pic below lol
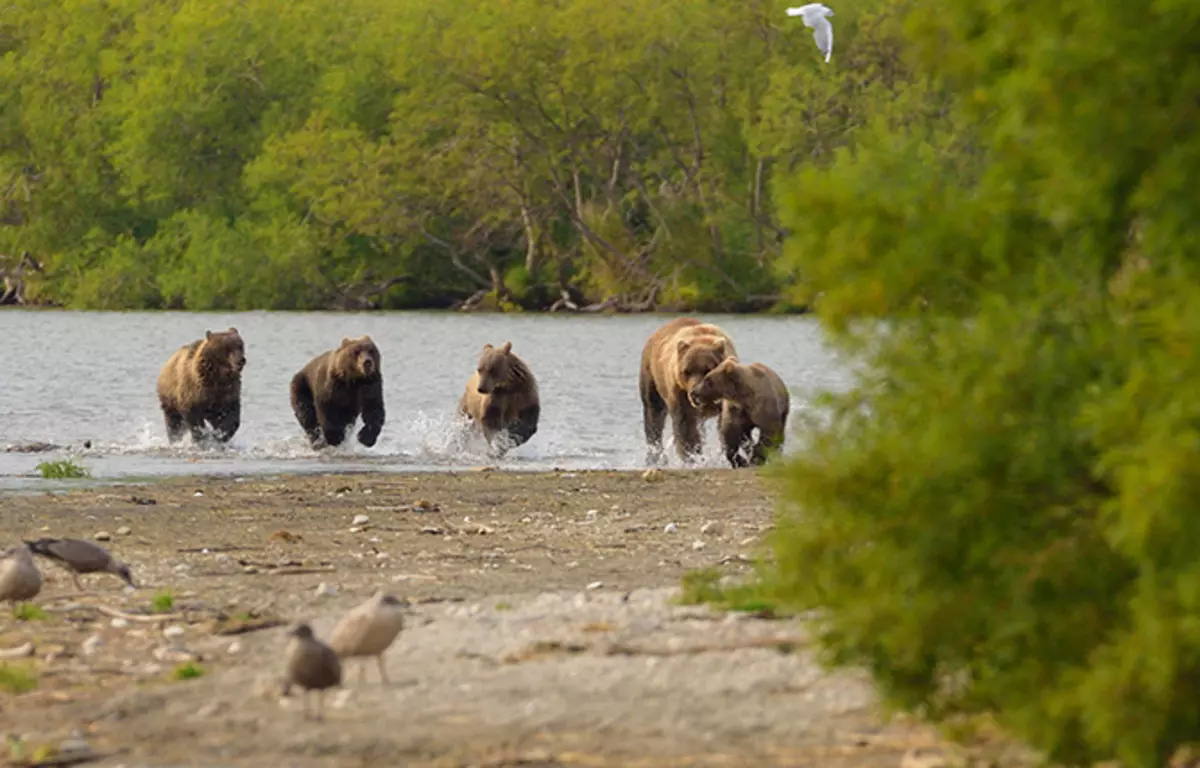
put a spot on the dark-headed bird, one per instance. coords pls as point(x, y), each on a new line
point(81, 557)
point(311, 665)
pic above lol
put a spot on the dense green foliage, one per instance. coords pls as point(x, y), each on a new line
point(1001, 516)
point(252, 154)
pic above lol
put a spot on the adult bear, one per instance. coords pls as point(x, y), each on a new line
point(202, 382)
point(751, 396)
point(502, 399)
point(675, 359)
point(335, 388)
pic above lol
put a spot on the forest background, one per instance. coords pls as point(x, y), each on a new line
point(992, 206)
point(249, 154)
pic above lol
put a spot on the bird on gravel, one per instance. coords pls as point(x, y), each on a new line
point(311, 665)
point(20, 578)
point(368, 630)
point(814, 16)
point(80, 557)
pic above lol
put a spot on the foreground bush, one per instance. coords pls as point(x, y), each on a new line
point(1001, 516)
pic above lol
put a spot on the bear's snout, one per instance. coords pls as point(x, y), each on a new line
point(368, 365)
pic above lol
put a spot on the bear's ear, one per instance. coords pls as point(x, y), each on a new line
point(722, 347)
point(207, 335)
point(346, 342)
point(233, 330)
point(507, 347)
point(682, 346)
point(487, 347)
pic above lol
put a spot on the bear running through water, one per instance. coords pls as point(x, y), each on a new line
point(501, 399)
point(675, 359)
point(335, 388)
point(202, 382)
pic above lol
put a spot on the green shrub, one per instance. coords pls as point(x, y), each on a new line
point(999, 516)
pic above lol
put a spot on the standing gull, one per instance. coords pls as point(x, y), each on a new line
point(368, 630)
point(20, 578)
point(814, 17)
point(80, 557)
point(311, 665)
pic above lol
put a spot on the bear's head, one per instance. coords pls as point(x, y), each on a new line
point(695, 358)
point(224, 349)
point(359, 358)
point(495, 368)
point(720, 383)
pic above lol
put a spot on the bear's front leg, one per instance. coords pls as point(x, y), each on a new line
point(735, 429)
point(226, 421)
point(373, 413)
point(525, 426)
point(685, 421)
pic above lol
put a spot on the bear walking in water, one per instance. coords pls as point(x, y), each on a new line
point(202, 382)
point(335, 388)
point(751, 396)
point(501, 398)
point(675, 359)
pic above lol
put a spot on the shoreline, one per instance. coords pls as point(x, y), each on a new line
point(544, 626)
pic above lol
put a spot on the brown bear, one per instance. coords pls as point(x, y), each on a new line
point(502, 399)
point(202, 382)
point(675, 359)
point(335, 388)
point(750, 396)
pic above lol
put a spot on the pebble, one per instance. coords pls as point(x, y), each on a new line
point(224, 559)
point(119, 623)
point(198, 493)
point(595, 585)
point(234, 647)
point(182, 568)
point(89, 646)
point(670, 528)
point(360, 520)
point(212, 708)
point(697, 545)
point(173, 631)
point(102, 536)
point(124, 530)
point(355, 529)
point(324, 590)
point(652, 475)
point(172, 655)
point(381, 556)
point(713, 528)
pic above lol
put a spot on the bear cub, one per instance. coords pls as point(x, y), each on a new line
point(751, 396)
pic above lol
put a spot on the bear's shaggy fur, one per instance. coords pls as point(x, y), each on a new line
point(752, 396)
point(335, 388)
point(501, 398)
point(202, 382)
point(675, 359)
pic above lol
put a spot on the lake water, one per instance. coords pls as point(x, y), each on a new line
point(71, 377)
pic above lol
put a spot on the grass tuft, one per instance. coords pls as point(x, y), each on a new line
point(162, 602)
point(17, 678)
point(28, 612)
point(188, 671)
point(63, 469)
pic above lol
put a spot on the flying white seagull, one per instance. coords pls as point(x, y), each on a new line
point(814, 16)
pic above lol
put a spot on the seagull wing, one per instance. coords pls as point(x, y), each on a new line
point(823, 35)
